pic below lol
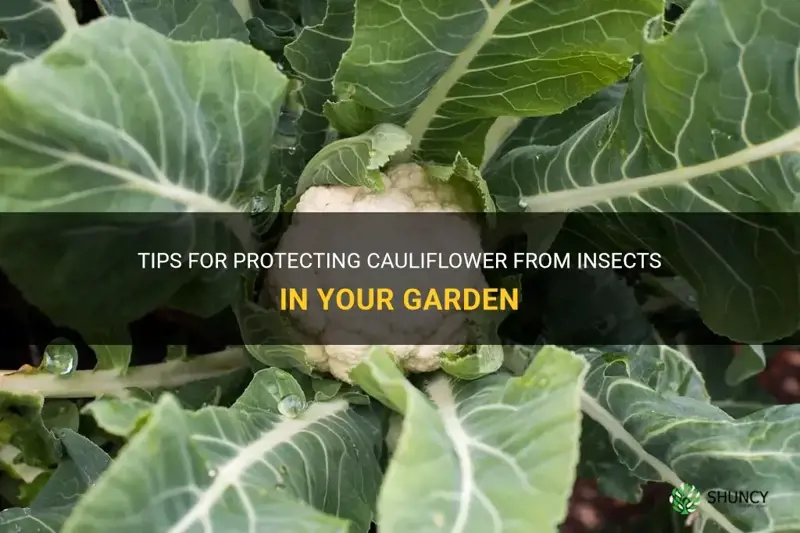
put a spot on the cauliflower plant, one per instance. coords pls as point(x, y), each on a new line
point(430, 333)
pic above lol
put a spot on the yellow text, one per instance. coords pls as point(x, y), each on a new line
point(451, 299)
point(361, 299)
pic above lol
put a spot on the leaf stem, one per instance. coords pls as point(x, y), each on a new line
point(66, 14)
point(498, 133)
point(422, 117)
point(571, 199)
point(244, 8)
point(93, 383)
point(596, 412)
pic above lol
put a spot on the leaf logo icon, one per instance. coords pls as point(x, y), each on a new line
point(684, 499)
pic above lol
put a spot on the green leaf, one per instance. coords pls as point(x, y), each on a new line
point(695, 134)
point(701, 445)
point(167, 128)
point(83, 464)
point(120, 417)
point(28, 27)
point(749, 361)
point(328, 389)
point(476, 362)
point(240, 468)
point(315, 56)
point(465, 176)
point(25, 440)
point(267, 334)
point(485, 355)
point(503, 449)
point(182, 20)
point(113, 356)
point(60, 414)
point(741, 400)
point(555, 129)
point(585, 307)
point(271, 31)
point(508, 58)
point(354, 161)
point(665, 370)
point(220, 390)
point(125, 416)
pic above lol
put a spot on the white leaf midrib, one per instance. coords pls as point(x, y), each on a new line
point(577, 198)
point(160, 188)
point(424, 114)
point(442, 395)
point(230, 474)
point(66, 14)
point(592, 408)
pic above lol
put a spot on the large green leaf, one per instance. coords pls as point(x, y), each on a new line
point(315, 56)
point(710, 124)
point(182, 20)
point(661, 368)
point(82, 465)
point(28, 27)
point(450, 68)
point(495, 454)
point(243, 468)
point(662, 436)
point(114, 122)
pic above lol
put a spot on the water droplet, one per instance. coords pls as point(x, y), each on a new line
point(60, 357)
point(273, 390)
point(291, 406)
point(212, 473)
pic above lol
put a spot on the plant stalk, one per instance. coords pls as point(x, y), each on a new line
point(93, 383)
point(66, 14)
point(596, 412)
point(244, 9)
point(422, 117)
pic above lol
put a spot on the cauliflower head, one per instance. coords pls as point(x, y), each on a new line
point(407, 189)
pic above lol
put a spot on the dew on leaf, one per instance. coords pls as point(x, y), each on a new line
point(60, 358)
point(291, 406)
